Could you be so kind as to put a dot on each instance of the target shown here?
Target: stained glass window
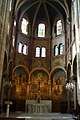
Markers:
(24, 26)
(41, 30)
(59, 27)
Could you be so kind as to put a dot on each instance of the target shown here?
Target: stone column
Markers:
(77, 26)
(3, 35)
(68, 99)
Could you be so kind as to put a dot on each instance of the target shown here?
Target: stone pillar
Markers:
(3, 35)
(75, 95)
(77, 26)
(68, 99)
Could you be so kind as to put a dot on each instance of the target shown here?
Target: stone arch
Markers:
(39, 69)
(20, 66)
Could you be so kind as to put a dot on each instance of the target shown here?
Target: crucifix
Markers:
(39, 85)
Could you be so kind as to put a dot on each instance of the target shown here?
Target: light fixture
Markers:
(69, 85)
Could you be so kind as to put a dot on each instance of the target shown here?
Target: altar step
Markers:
(40, 116)
(48, 116)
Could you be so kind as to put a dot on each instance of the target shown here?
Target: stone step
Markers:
(41, 116)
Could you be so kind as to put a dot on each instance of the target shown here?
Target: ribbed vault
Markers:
(42, 9)
(27, 5)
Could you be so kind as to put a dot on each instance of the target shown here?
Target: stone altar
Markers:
(45, 106)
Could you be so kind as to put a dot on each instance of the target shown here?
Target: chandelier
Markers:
(70, 85)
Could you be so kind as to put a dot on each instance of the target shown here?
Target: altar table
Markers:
(43, 107)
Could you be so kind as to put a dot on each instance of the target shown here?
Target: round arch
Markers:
(39, 69)
(18, 67)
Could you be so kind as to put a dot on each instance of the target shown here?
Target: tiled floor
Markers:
(38, 116)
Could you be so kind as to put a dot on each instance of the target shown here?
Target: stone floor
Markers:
(40, 116)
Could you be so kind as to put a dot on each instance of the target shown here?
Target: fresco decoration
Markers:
(58, 82)
(20, 83)
(39, 87)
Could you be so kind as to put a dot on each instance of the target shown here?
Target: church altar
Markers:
(44, 106)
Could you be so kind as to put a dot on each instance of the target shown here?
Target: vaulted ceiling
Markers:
(43, 8)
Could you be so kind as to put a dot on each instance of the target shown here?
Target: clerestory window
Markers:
(59, 27)
(24, 26)
(41, 30)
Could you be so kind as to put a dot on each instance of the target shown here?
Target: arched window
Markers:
(37, 51)
(43, 52)
(25, 50)
(20, 47)
(61, 49)
(13, 41)
(55, 50)
(41, 30)
(59, 27)
(24, 26)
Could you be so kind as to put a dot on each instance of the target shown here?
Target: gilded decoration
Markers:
(58, 82)
(20, 83)
(39, 87)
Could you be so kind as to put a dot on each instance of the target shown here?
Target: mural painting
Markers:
(39, 86)
(58, 82)
(20, 82)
